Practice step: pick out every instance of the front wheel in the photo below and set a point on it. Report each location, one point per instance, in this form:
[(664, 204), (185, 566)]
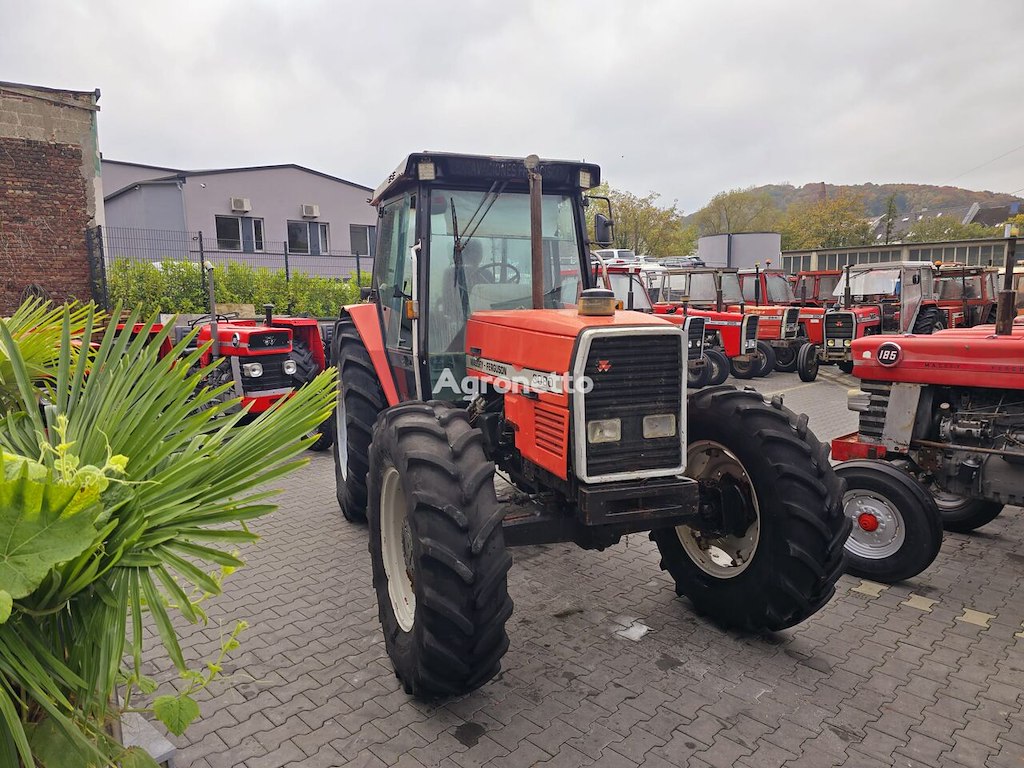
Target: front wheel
[(697, 378), (846, 366), (718, 364), (437, 550), (786, 359), (306, 369), (963, 515), (766, 359), (897, 530), (807, 362), (768, 548)]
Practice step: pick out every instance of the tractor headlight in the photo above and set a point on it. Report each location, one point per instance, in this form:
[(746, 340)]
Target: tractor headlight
[(660, 425), (604, 431), (252, 370), (846, 342), (236, 339), (830, 342), (289, 367)]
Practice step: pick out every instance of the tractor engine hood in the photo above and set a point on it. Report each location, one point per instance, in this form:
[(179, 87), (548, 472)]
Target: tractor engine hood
[(245, 339), (958, 357), (534, 343)]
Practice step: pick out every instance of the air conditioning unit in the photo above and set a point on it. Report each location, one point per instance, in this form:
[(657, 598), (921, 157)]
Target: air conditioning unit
[(241, 204), (310, 210)]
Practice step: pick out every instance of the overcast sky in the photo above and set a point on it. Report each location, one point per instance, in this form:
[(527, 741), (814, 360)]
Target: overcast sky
[(681, 98)]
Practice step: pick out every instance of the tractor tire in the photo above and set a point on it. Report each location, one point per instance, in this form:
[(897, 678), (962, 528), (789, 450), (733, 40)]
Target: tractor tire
[(699, 378), (719, 365), (897, 529), (846, 366), (807, 362), (745, 369), (784, 565), (437, 549), (963, 515), (766, 353), (929, 320), (360, 400), (786, 358), (306, 369)]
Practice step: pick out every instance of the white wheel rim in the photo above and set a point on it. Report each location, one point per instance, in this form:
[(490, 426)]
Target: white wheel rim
[(341, 434), (948, 502), (724, 557), (867, 509), (396, 548)]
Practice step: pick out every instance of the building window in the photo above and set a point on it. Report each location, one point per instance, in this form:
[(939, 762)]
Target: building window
[(298, 236), (229, 233), (362, 238), (325, 243), (257, 234)]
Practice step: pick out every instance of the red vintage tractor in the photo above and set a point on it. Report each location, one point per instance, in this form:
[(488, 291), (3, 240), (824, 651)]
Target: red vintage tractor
[(816, 288), (792, 330), (731, 343), (966, 295), (940, 444), (503, 354)]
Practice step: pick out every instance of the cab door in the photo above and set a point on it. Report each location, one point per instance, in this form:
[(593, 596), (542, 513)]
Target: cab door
[(396, 285), (912, 292)]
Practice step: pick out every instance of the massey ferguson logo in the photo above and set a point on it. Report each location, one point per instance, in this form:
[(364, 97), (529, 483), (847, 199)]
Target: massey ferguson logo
[(603, 366), (888, 354), (268, 341)]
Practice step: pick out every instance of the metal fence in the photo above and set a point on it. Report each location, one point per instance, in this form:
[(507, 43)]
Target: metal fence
[(109, 246)]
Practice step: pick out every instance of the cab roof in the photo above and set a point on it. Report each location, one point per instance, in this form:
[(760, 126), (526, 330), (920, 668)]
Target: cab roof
[(457, 168)]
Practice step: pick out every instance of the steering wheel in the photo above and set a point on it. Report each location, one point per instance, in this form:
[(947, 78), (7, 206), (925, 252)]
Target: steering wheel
[(205, 318), (512, 273)]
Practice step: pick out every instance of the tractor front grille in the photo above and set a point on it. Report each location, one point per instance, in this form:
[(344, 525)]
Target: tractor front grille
[(695, 338), (270, 340), (749, 333), (791, 323), (273, 377), (839, 325), (634, 375), (873, 419)]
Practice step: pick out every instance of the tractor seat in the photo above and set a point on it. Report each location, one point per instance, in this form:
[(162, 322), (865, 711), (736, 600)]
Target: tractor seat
[(500, 296)]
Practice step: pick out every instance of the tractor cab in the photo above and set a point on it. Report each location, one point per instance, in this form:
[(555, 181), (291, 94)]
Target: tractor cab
[(816, 288), (967, 294)]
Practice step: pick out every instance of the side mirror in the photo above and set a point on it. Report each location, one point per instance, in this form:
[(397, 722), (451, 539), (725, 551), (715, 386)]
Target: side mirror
[(364, 292), (916, 279), (602, 230)]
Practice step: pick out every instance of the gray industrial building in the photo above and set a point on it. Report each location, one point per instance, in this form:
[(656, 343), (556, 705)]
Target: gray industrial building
[(972, 252), (253, 214)]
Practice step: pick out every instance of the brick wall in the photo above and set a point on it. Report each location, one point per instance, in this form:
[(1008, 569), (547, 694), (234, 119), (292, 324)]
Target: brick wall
[(42, 231), (48, 191)]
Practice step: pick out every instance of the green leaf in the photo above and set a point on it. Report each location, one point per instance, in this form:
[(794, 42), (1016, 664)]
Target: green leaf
[(45, 523), (6, 603), (176, 712), (55, 747), (136, 757)]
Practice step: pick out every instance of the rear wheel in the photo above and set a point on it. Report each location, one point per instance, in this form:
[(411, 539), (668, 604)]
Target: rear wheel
[(306, 369), (768, 548), (929, 320), (437, 550), (963, 515), (766, 360), (718, 364), (807, 362), (360, 399), (897, 530), (786, 358), (697, 378)]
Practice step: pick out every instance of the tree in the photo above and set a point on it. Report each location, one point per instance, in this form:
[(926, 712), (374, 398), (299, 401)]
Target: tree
[(939, 228), (837, 222), (738, 210), (889, 218), (644, 226)]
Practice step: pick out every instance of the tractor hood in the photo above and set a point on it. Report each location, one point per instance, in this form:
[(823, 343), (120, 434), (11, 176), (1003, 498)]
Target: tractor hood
[(969, 357), (529, 342), (248, 338)]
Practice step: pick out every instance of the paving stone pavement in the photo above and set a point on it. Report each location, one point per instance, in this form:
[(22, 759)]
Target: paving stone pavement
[(880, 677)]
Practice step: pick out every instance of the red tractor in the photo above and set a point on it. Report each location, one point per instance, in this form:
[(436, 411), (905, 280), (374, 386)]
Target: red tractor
[(731, 342), (940, 444), (484, 343), (967, 295), (816, 288), (793, 331)]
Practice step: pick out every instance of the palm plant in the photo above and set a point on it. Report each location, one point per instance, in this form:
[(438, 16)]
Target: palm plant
[(119, 487)]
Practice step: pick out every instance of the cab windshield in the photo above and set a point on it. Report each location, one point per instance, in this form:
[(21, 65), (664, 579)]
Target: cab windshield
[(874, 282), (731, 293), (621, 284), (493, 270), (779, 289), (826, 285)]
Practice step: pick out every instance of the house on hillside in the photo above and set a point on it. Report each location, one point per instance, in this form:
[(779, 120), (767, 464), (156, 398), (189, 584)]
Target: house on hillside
[(986, 215), (254, 214)]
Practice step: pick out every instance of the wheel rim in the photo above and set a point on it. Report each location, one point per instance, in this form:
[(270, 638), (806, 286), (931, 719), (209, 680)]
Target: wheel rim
[(341, 435), (948, 502), (785, 355), (396, 549), (878, 528), (723, 557), (746, 367)]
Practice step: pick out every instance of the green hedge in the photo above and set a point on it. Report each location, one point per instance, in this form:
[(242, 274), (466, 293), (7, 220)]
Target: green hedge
[(177, 286)]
